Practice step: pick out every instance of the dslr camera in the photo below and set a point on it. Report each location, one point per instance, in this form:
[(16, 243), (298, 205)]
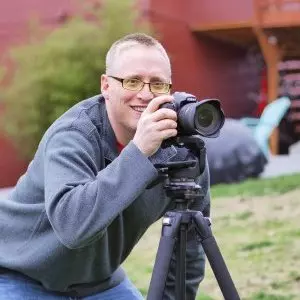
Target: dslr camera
[(195, 117)]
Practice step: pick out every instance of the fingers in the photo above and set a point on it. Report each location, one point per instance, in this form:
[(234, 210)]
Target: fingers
[(164, 113), (168, 133), (155, 125), (165, 124), (155, 103)]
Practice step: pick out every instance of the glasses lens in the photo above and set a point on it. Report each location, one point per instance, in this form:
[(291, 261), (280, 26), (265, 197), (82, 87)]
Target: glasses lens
[(159, 87), (132, 84)]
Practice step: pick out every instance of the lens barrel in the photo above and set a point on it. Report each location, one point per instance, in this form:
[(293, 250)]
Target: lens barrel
[(209, 118), (203, 117)]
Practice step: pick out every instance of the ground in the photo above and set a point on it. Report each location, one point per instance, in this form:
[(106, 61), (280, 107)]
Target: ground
[(259, 238)]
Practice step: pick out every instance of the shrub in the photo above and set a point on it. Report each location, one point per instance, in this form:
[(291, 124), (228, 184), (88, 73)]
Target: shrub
[(56, 71)]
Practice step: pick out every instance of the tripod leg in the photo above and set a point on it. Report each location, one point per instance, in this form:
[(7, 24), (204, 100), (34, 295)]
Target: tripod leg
[(215, 257), (181, 257), (171, 223)]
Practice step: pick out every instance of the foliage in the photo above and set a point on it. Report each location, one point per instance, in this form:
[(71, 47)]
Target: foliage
[(61, 68)]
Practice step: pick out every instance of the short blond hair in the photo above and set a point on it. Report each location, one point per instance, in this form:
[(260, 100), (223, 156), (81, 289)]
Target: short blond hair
[(129, 41)]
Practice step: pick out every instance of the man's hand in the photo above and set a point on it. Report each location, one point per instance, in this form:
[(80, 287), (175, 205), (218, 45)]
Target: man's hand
[(155, 125)]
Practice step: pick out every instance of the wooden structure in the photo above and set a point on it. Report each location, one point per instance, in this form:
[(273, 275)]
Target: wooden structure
[(275, 27)]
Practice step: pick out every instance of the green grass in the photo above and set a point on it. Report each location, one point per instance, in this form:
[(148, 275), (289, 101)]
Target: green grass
[(256, 225), (264, 296), (257, 187)]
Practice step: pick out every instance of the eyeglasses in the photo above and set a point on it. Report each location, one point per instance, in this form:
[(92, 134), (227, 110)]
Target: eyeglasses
[(134, 84)]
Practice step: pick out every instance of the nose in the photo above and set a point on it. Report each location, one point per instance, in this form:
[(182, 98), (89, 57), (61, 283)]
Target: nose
[(145, 94)]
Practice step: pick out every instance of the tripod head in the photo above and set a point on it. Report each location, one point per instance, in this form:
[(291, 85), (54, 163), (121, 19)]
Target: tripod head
[(179, 177)]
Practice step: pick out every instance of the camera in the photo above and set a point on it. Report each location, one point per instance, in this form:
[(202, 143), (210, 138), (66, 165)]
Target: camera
[(194, 117)]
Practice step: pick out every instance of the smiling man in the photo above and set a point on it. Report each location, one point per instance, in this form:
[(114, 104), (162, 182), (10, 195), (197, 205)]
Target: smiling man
[(138, 70), (81, 207)]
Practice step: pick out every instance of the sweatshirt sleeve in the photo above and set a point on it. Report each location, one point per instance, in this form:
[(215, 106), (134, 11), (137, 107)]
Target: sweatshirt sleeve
[(81, 201)]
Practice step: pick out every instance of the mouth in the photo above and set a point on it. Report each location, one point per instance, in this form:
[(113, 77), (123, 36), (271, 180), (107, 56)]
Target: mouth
[(138, 109)]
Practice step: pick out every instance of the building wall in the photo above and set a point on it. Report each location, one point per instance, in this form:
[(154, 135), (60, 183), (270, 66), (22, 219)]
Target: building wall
[(206, 68), (202, 66), (14, 16), (217, 11)]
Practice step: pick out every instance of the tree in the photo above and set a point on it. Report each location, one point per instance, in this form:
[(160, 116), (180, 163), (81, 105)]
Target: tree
[(60, 69)]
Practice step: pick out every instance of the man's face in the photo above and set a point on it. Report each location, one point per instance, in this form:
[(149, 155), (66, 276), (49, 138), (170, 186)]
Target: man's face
[(124, 106)]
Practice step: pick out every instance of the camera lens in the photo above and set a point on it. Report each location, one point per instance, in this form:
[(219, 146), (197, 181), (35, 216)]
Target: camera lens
[(207, 119), (204, 116)]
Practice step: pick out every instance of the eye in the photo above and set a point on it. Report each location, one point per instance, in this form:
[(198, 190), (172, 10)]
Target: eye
[(157, 84), (132, 81), (160, 87)]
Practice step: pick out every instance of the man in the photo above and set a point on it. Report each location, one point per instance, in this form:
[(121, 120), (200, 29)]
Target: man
[(82, 205)]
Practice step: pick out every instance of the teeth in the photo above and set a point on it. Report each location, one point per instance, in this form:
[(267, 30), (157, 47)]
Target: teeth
[(139, 108)]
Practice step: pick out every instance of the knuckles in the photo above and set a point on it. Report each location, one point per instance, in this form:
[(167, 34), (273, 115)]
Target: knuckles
[(167, 113)]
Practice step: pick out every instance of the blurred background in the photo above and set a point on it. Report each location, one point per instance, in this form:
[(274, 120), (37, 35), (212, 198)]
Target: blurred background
[(244, 52)]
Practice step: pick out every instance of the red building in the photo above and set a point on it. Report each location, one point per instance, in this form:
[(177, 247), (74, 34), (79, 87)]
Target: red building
[(218, 49), (239, 51), (14, 16)]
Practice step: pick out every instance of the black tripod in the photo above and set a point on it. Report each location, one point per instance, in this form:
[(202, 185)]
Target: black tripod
[(181, 188)]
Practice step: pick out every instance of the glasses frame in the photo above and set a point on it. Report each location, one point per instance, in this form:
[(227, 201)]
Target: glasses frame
[(149, 83)]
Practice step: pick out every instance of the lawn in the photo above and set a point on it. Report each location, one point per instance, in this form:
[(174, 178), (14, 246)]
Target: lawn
[(256, 225)]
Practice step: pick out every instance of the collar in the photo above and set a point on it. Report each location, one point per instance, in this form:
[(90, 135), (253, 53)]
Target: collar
[(109, 142)]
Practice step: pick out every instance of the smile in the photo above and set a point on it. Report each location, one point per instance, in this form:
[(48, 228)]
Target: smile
[(138, 108)]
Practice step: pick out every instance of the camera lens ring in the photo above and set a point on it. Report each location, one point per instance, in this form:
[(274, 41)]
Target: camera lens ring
[(207, 119)]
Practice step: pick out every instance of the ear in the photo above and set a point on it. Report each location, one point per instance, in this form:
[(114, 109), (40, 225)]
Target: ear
[(104, 86)]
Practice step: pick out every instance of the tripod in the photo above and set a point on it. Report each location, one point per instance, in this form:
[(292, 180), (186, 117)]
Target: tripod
[(182, 189)]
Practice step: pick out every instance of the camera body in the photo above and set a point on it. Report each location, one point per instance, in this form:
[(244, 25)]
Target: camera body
[(195, 117)]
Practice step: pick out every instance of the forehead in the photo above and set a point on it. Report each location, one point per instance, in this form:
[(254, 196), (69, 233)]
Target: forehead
[(140, 60)]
